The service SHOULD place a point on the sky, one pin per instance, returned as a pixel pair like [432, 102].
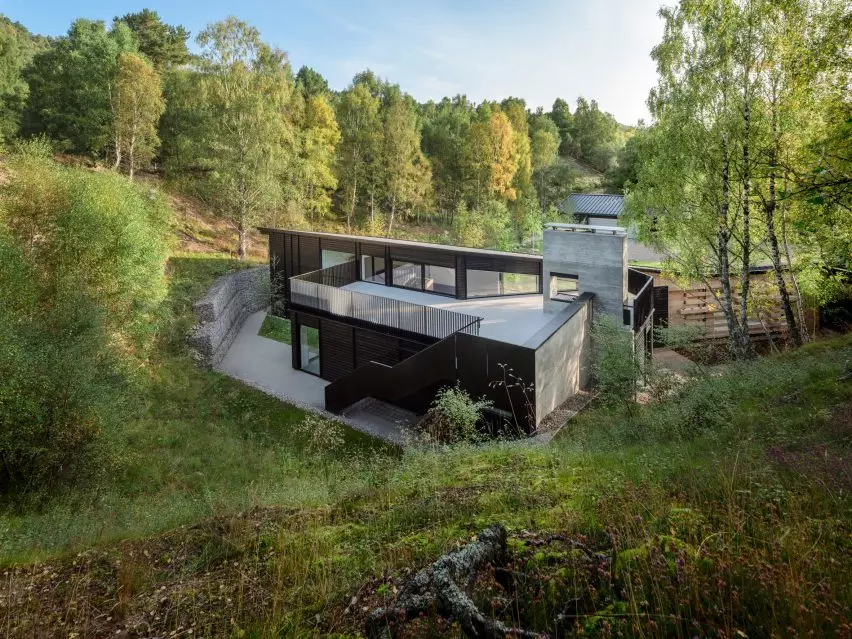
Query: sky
[534, 49]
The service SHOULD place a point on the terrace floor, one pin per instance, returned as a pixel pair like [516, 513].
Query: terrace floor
[513, 319]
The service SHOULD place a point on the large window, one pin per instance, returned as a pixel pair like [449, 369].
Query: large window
[309, 348]
[497, 283]
[425, 277]
[408, 275]
[332, 258]
[373, 269]
[439, 279]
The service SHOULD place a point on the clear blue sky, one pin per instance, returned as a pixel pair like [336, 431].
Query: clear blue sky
[534, 49]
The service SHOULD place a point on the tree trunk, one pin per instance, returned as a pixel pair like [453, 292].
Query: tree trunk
[745, 350]
[390, 219]
[769, 212]
[242, 238]
[130, 152]
[351, 213]
[441, 586]
[722, 238]
[800, 311]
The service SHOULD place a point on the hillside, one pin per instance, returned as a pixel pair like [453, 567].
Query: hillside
[721, 512]
[587, 179]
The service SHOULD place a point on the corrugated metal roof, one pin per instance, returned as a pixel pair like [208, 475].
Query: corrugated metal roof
[604, 205]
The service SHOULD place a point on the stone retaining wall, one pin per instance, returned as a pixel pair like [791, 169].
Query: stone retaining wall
[221, 312]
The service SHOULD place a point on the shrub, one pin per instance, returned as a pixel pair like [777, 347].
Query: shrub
[453, 417]
[82, 260]
[615, 364]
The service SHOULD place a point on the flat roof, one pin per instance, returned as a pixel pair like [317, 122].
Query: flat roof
[395, 242]
[513, 319]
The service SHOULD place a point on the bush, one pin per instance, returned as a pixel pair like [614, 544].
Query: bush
[486, 226]
[82, 260]
[453, 417]
[615, 364]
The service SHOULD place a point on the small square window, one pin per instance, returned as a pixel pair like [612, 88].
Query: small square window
[564, 287]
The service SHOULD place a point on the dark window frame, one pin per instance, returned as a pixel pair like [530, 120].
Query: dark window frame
[373, 258]
[501, 274]
[422, 288]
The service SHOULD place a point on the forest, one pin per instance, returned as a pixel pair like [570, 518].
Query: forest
[234, 126]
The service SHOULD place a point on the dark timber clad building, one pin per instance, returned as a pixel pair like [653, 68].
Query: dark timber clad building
[397, 320]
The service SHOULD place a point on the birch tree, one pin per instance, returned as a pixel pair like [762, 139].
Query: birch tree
[689, 184]
[248, 143]
[407, 177]
[360, 129]
[137, 104]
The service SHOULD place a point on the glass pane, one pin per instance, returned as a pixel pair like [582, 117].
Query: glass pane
[408, 274]
[373, 269]
[309, 346]
[495, 283]
[330, 258]
[483, 283]
[440, 279]
[519, 283]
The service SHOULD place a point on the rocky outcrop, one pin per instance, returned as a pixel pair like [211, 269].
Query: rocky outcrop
[222, 311]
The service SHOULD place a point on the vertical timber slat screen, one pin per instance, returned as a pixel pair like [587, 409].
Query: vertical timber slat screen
[321, 290]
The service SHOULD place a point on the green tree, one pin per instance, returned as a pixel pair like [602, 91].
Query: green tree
[490, 158]
[163, 44]
[137, 104]
[544, 148]
[624, 171]
[248, 144]
[82, 279]
[445, 129]
[17, 48]
[515, 110]
[407, 176]
[555, 183]
[360, 129]
[561, 115]
[310, 83]
[318, 138]
[70, 85]
[594, 134]
[699, 149]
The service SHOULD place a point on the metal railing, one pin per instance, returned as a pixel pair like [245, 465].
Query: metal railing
[322, 291]
[641, 286]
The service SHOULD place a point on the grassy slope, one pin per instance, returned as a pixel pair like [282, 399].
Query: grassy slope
[587, 179]
[724, 510]
[195, 443]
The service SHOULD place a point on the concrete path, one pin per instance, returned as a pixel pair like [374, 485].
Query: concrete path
[266, 364]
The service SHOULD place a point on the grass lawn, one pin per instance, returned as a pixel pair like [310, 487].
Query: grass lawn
[276, 328]
[724, 511]
[195, 443]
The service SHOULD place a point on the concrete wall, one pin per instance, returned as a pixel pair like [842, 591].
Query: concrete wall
[223, 309]
[563, 362]
[598, 259]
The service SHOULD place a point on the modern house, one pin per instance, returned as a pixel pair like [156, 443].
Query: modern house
[397, 320]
